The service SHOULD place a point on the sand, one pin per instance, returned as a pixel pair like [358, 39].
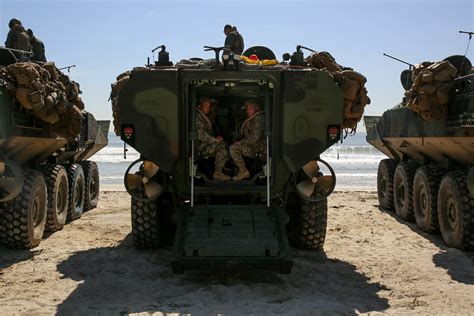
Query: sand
[372, 263]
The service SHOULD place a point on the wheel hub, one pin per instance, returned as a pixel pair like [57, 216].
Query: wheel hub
[383, 186]
[60, 199]
[452, 213]
[93, 189]
[401, 194]
[36, 212]
[78, 195]
[423, 200]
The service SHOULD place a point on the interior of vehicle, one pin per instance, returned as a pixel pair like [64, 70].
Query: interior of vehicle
[227, 115]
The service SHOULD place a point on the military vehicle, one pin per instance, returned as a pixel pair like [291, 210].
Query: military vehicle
[429, 175]
[45, 179]
[219, 224]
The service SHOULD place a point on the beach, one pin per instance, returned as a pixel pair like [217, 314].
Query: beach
[372, 263]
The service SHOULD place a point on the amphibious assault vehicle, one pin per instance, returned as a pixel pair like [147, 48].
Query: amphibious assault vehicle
[220, 223]
[45, 180]
[429, 175]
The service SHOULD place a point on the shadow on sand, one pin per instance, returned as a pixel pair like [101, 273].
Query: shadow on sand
[9, 257]
[459, 264]
[122, 280]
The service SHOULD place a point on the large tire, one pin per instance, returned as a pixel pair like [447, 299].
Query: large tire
[308, 224]
[24, 218]
[385, 174]
[75, 175]
[58, 196]
[145, 224]
[92, 183]
[456, 211]
[3, 228]
[403, 190]
[425, 197]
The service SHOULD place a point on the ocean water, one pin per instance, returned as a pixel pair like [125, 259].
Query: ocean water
[354, 161]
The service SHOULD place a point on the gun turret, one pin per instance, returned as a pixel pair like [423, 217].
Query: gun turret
[163, 56]
[297, 59]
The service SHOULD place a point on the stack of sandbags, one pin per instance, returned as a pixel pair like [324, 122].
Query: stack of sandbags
[323, 60]
[351, 82]
[355, 96]
[429, 94]
[116, 87]
[48, 94]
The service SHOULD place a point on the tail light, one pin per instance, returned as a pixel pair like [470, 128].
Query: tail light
[333, 133]
[128, 132]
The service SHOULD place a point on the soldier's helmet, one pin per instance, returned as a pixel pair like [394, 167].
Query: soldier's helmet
[13, 22]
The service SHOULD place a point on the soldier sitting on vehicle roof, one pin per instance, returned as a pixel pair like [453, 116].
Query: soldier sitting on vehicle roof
[37, 47]
[252, 142]
[17, 38]
[208, 142]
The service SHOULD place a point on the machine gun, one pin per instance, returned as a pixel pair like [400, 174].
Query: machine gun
[405, 76]
[297, 59]
[402, 61]
[68, 68]
[163, 56]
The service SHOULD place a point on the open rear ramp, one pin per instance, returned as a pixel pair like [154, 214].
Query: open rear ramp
[226, 236]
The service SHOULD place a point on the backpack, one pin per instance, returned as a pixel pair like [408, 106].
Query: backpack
[238, 44]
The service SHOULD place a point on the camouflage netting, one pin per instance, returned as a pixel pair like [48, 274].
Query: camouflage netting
[116, 87]
[351, 82]
[47, 93]
[429, 93]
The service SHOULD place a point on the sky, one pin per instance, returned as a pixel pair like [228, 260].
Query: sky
[105, 38]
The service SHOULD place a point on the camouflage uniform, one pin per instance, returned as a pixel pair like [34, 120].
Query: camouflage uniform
[37, 46]
[253, 139]
[206, 143]
[17, 38]
[235, 40]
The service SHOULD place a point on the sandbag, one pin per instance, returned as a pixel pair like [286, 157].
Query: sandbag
[430, 91]
[355, 96]
[351, 82]
[51, 69]
[323, 60]
[48, 93]
[23, 96]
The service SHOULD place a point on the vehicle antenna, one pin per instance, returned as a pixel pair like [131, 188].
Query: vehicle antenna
[468, 41]
[467, 48]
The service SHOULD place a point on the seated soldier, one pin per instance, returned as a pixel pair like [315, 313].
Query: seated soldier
[207, 141]
[252, 142]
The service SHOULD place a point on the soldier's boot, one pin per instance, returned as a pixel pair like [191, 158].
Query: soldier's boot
[220, 176]
[243, 173]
